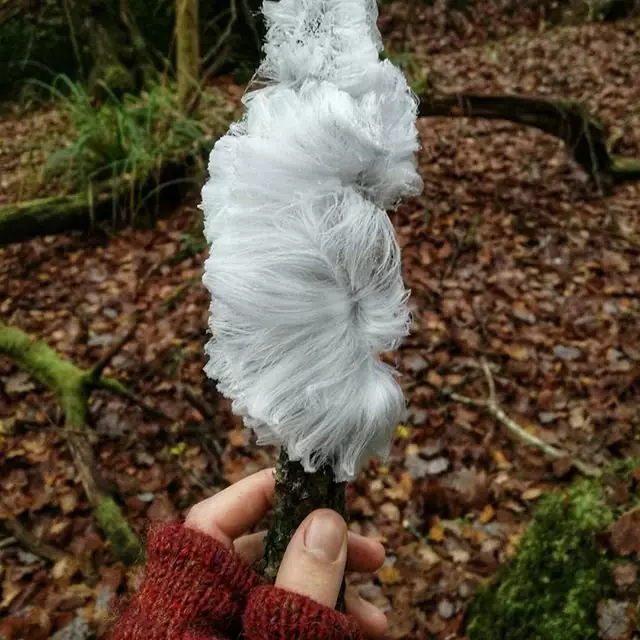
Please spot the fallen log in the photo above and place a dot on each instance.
(584, 135)
(23, 220)
(20, 221)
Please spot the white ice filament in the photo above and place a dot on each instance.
(304, 266)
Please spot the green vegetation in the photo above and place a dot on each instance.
(118, 155)
(551, 589)
(73, 387)
(131, 137)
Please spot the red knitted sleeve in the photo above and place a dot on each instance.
(194, 589)
(276, 614)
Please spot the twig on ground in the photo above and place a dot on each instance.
(179, 292)
(151, 271)
(208, 438)
(491, 406)
(468, 240)
(481, 322)
(490, 382)
(207, 410)
(117, 388)
(8, 542)
(30, 543)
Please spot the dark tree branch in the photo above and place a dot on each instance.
(207, 433)
(207, 410)
(298, 494)
(117, 388)
(251, 21)
(214, 59)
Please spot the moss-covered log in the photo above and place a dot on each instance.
(72, 387)
(56, 214)
(584, 135)
(297, 494)
(20, 221)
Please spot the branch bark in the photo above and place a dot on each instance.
(298, 494)
(20, 221)
(73, 386)
(584, 135)
(96, 371)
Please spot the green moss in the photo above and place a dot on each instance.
(551, 589)
(38, 359)
(623, 469)
(124, 541)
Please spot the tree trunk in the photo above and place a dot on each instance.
(108, 46)
(188, 54)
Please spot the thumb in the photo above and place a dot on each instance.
(314, 562)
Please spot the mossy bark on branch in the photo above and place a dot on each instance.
(39, 360)
(297, 494)
(109, 518)
(73, 386)
(44, 216)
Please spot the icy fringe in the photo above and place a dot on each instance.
(304, 266)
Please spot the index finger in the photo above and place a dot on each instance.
(231, 512)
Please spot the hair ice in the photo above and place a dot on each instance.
(304, 266)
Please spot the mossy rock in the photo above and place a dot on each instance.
(564, 566)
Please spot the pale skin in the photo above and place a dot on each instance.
(308, 567)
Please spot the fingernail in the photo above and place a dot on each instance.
(325, 536)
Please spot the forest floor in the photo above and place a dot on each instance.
(513, 257)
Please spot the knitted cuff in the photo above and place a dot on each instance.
(275, 614)
(192, 582)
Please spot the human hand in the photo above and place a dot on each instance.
(317, 556)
